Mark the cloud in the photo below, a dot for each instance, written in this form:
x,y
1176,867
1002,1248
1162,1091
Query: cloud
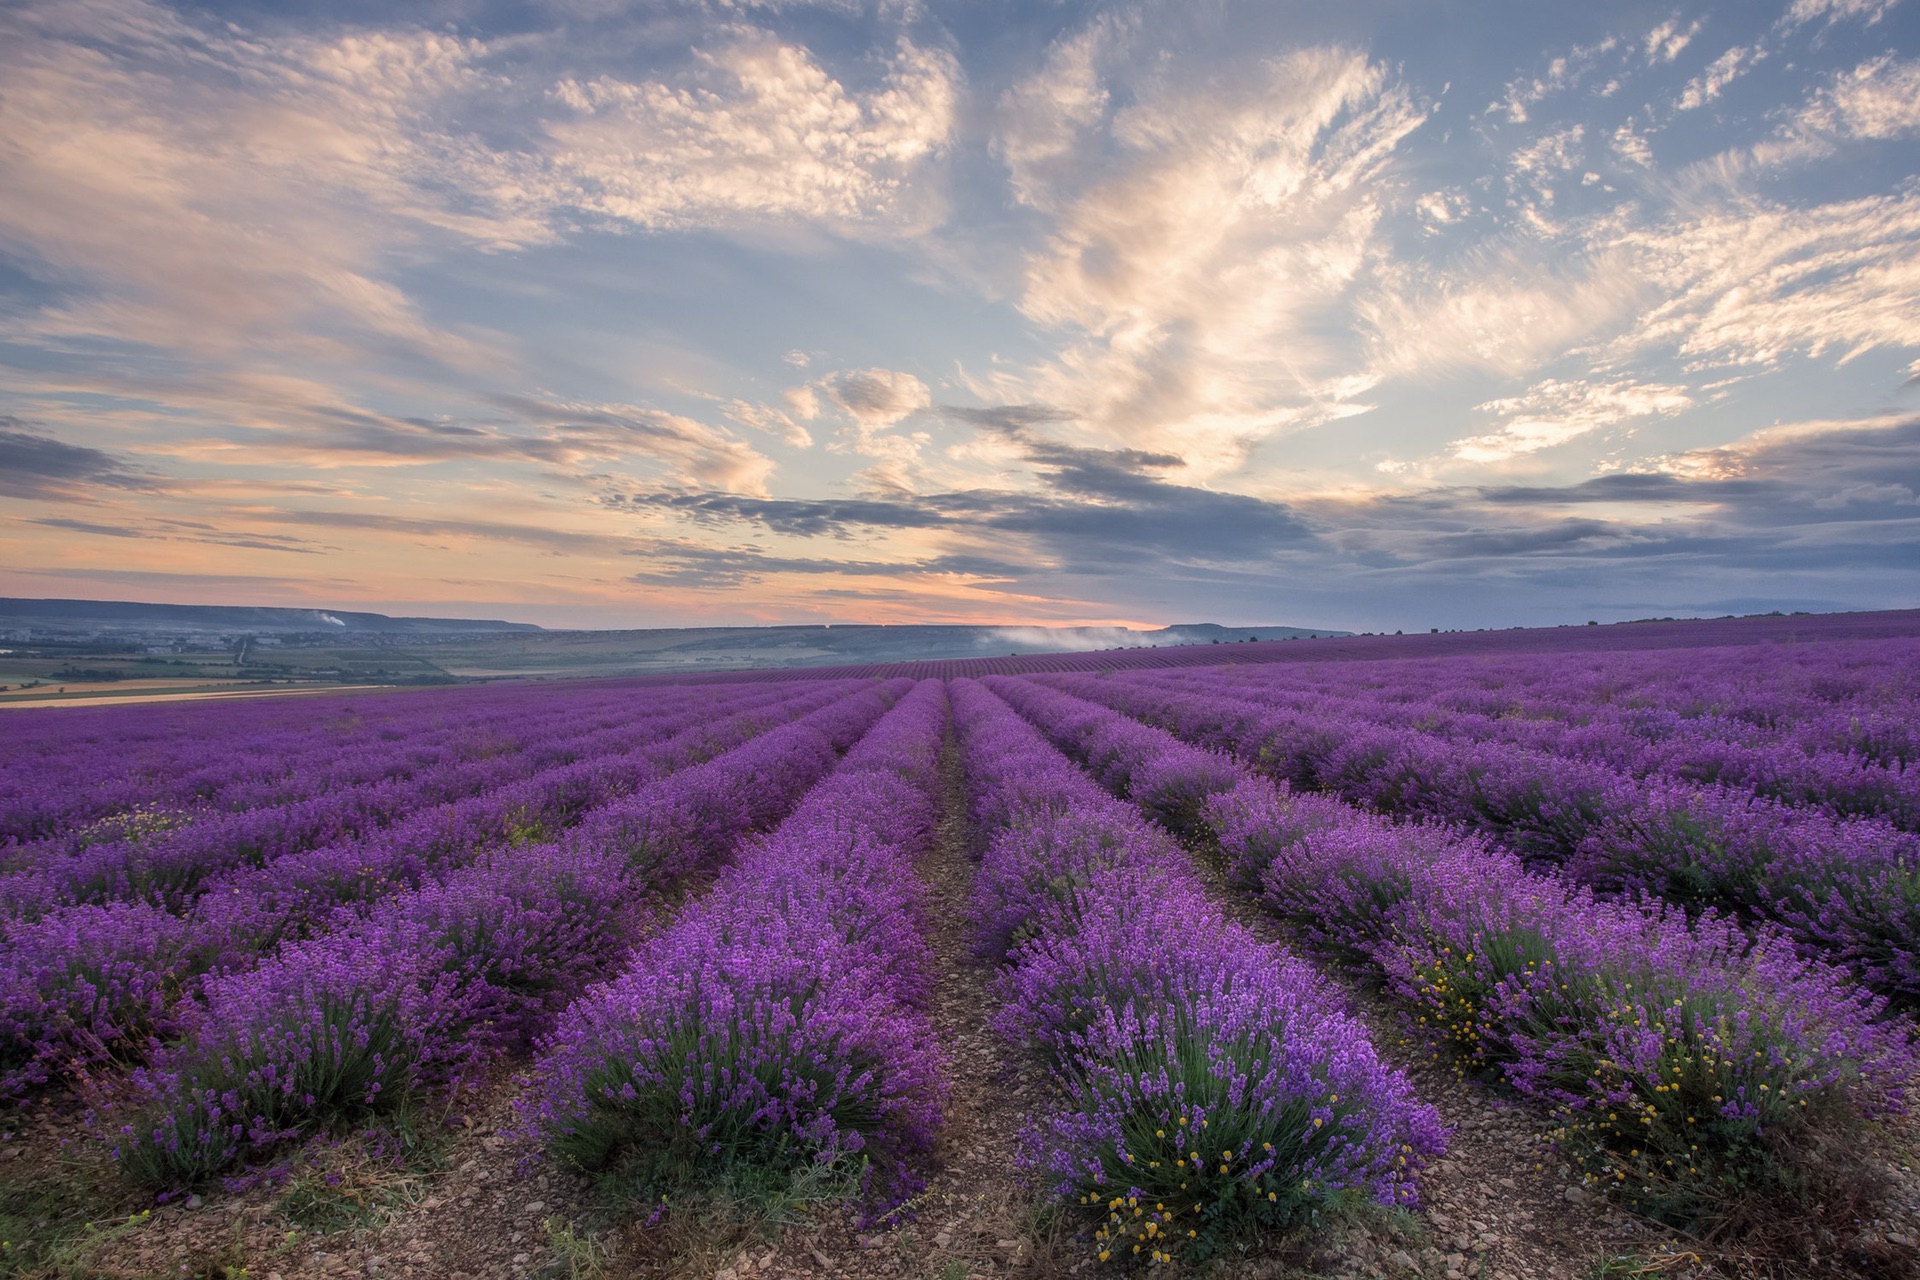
x,y
1205,225
775,422
877,398
757,129
678,563
619,433
1561,74
40,467
875,401
87,526
1879,99
544,537
1666,42
800,517
1554,412
1508,310
306,587
187,531
1548,156
1774,512
1090,510
1752,283
1723,71
1048,120
149,157
1866,12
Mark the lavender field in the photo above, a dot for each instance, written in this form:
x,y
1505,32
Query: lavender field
x,y
1466,955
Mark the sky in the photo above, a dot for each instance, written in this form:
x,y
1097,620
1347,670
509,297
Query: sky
x,y
1385,314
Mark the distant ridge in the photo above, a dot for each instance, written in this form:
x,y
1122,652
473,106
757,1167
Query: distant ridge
x,y
128,615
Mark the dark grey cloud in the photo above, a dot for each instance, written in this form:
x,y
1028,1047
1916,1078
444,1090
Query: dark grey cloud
x,y
680,563
188,531
87,526
800,517
37,466
1008,419
494,531
1804,514
164,580
1632,487
1091,506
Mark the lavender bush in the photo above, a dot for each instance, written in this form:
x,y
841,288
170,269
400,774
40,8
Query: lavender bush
x,y
87,986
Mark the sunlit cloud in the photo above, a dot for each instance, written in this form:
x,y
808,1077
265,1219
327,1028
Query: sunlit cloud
x,y
756,129
1553,412
1203,238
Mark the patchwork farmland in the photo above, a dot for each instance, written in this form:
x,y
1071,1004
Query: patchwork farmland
x,y
1561,953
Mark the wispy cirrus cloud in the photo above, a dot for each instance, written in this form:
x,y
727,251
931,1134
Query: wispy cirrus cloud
x,y
1752,282
1553,412
1204,235
756,128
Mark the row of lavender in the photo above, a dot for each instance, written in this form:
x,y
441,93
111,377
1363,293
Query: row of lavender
x,y
779,1024
422,992
1209,1087
1846,888
63,771
1854,751
1688,1063
88,982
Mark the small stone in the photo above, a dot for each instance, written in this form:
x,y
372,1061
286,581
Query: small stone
x,y
533,1206
194,1202
942,1239
1402,1259
1576,1196
1896,1238
826,1263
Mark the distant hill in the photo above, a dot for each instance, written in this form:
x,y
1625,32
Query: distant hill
x,y
44,640
126,615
